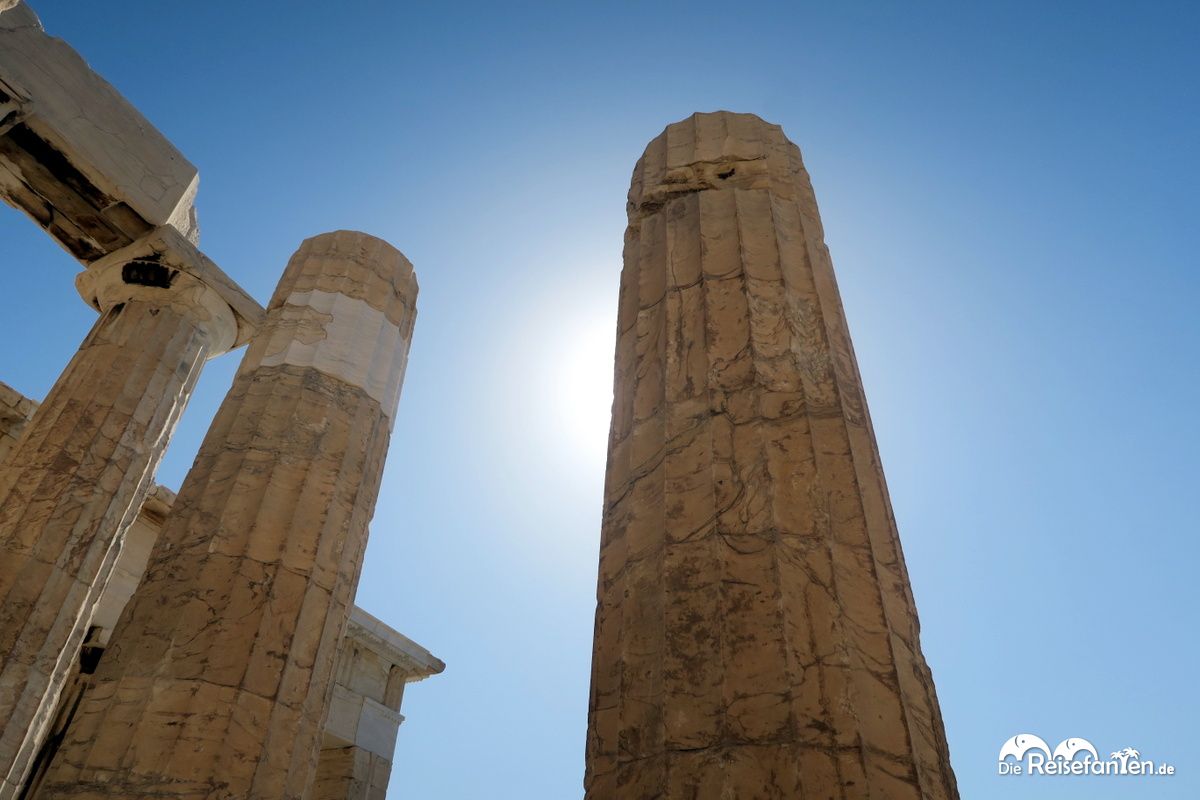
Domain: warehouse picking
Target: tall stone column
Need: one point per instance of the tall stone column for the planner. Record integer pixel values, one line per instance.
(755, 632)
(219, 673)
(78, 475)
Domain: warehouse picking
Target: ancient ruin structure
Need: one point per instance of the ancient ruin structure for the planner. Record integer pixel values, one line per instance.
(755, 633)
(205, 646)
(218, 678)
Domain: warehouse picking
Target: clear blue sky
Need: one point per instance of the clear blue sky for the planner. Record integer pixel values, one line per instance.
(1009, 192)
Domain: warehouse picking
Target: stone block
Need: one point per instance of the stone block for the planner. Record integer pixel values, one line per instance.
(75, 155)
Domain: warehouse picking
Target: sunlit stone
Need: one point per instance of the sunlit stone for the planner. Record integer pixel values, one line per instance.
(755, 632)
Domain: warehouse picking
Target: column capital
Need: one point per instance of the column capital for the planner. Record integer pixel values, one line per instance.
(164, 266)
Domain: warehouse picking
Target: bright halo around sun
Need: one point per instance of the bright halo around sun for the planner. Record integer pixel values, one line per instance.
(583, 381)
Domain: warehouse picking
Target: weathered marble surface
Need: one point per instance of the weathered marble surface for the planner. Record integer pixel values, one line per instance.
(75, 155)
(164, 254)
(74, 481)
(15, 411)
(756, 635)
(375, 663)
(220, 671)
(125, 576)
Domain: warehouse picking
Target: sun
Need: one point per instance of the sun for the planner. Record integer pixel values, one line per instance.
(583, 384)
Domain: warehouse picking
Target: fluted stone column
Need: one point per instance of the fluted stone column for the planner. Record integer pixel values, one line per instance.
(78, 475)
(219, 674)
(755, 632)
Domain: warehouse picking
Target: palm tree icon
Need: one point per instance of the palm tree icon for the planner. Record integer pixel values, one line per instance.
(1123, 756)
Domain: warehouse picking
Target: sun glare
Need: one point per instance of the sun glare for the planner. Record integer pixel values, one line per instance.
(584, 378)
